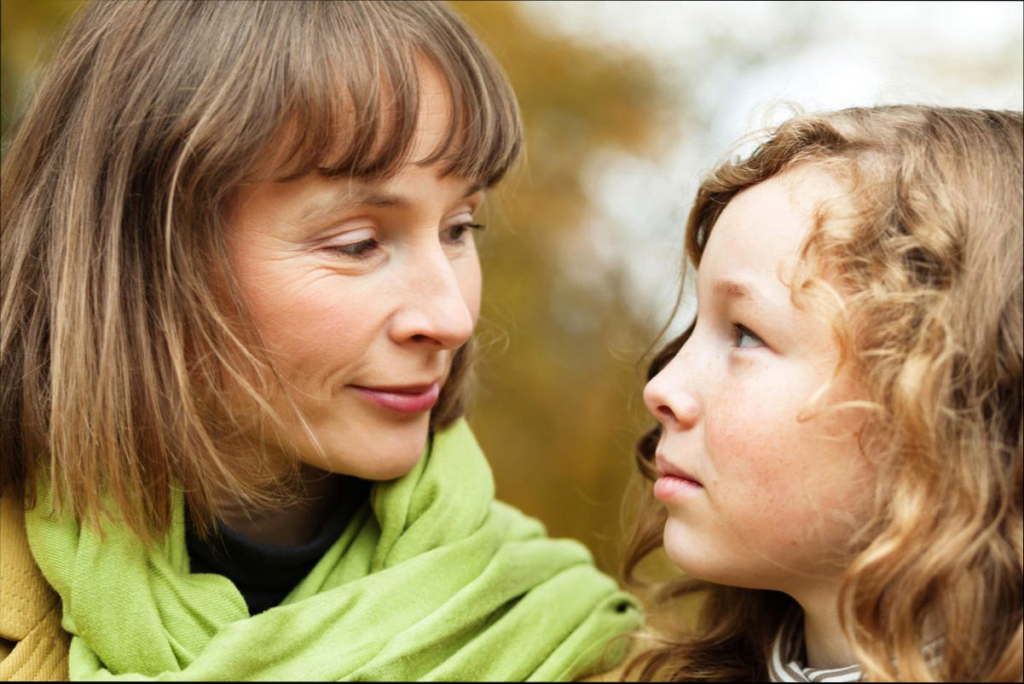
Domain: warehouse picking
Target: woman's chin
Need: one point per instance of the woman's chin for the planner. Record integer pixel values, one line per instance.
(372, 453)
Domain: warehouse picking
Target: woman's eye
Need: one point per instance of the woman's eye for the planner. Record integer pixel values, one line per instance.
(356, 250)
(457, 234)
(745, 338)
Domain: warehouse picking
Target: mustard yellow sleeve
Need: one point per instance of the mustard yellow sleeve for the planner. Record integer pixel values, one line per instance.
(32, 644)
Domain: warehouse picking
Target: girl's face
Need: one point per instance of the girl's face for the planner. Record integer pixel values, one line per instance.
(362, 292)
(757, 497)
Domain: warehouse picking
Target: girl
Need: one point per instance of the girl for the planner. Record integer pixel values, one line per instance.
(837, 465)
(239, 283)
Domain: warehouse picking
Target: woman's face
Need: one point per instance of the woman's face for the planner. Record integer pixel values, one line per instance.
(362, 293)
(757, 497)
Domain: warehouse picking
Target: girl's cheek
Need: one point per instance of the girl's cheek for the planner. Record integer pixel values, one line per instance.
(749, 439)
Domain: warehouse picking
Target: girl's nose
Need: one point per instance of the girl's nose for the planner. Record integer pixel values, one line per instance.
(670, 400)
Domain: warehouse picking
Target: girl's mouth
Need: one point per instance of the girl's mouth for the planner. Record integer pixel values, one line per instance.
(674, 482)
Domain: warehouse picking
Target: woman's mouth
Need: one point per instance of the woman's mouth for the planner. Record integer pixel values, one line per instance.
(404, 399)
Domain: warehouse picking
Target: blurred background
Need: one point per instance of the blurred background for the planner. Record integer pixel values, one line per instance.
(626, 105)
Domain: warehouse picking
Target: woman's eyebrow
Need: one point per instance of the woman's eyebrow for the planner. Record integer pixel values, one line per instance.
(370, 197)
(341, 201)
(385, 200)
(474, 188)
(380, 200)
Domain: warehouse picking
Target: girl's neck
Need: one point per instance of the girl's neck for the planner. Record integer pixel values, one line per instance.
(827, 646)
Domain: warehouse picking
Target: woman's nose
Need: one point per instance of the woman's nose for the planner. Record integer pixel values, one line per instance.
(438, 307)
(669, 399)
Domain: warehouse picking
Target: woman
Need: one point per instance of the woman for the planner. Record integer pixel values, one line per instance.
(239, 288)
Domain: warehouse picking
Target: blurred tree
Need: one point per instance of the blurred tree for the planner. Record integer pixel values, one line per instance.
(559, 404)
(27, 29)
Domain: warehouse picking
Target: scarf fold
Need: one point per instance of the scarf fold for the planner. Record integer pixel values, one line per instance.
(432, 580)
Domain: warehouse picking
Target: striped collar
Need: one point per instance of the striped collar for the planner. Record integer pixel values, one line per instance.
(784, 664)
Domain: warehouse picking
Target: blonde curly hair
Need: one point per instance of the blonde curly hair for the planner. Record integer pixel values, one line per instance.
(926, 249)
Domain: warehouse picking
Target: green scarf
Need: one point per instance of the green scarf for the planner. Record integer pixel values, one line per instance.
(433, 579)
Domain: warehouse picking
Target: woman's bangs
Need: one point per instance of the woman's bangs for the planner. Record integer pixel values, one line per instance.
(356, 120)
(352, 105)
(484, 136)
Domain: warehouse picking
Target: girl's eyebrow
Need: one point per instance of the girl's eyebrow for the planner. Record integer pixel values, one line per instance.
(731, 289)
(746, 290)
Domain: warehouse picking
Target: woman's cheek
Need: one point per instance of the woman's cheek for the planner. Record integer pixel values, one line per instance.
(470, 279)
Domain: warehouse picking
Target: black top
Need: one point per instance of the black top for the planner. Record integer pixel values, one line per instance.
(266, 573)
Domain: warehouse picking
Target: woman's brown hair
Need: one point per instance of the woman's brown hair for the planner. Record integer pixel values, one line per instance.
(117, 341)
(926, 248)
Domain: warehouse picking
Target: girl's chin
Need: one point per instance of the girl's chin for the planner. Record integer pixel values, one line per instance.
(688, 552)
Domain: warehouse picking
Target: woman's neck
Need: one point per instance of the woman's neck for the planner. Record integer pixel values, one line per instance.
(317, 494)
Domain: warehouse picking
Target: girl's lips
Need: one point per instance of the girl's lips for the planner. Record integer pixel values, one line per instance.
(406, 400)
(669, 487)
(674, 482)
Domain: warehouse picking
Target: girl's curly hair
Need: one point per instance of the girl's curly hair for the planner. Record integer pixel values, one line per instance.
(926, 248)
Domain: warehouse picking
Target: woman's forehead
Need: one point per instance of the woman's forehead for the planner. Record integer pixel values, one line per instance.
(435, 112)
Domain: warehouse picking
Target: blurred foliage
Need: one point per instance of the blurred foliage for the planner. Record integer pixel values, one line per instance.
(558, 408)
(27, 29)
(559, 404)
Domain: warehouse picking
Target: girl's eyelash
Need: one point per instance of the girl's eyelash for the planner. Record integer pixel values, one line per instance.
(740, 331)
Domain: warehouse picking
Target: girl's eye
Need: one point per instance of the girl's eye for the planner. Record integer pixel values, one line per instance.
(745, 338)
(457, 234)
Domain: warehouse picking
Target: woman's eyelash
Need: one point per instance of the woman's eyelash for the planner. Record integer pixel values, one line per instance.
(364, 248)
(457, 231)
(356, 250)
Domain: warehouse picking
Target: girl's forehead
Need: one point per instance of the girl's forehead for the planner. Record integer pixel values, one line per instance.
(756, 247)
(761, 227)
(770, 221)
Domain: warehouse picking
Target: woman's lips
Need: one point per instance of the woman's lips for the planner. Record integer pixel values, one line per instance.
(408, 400)
(674, 482)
